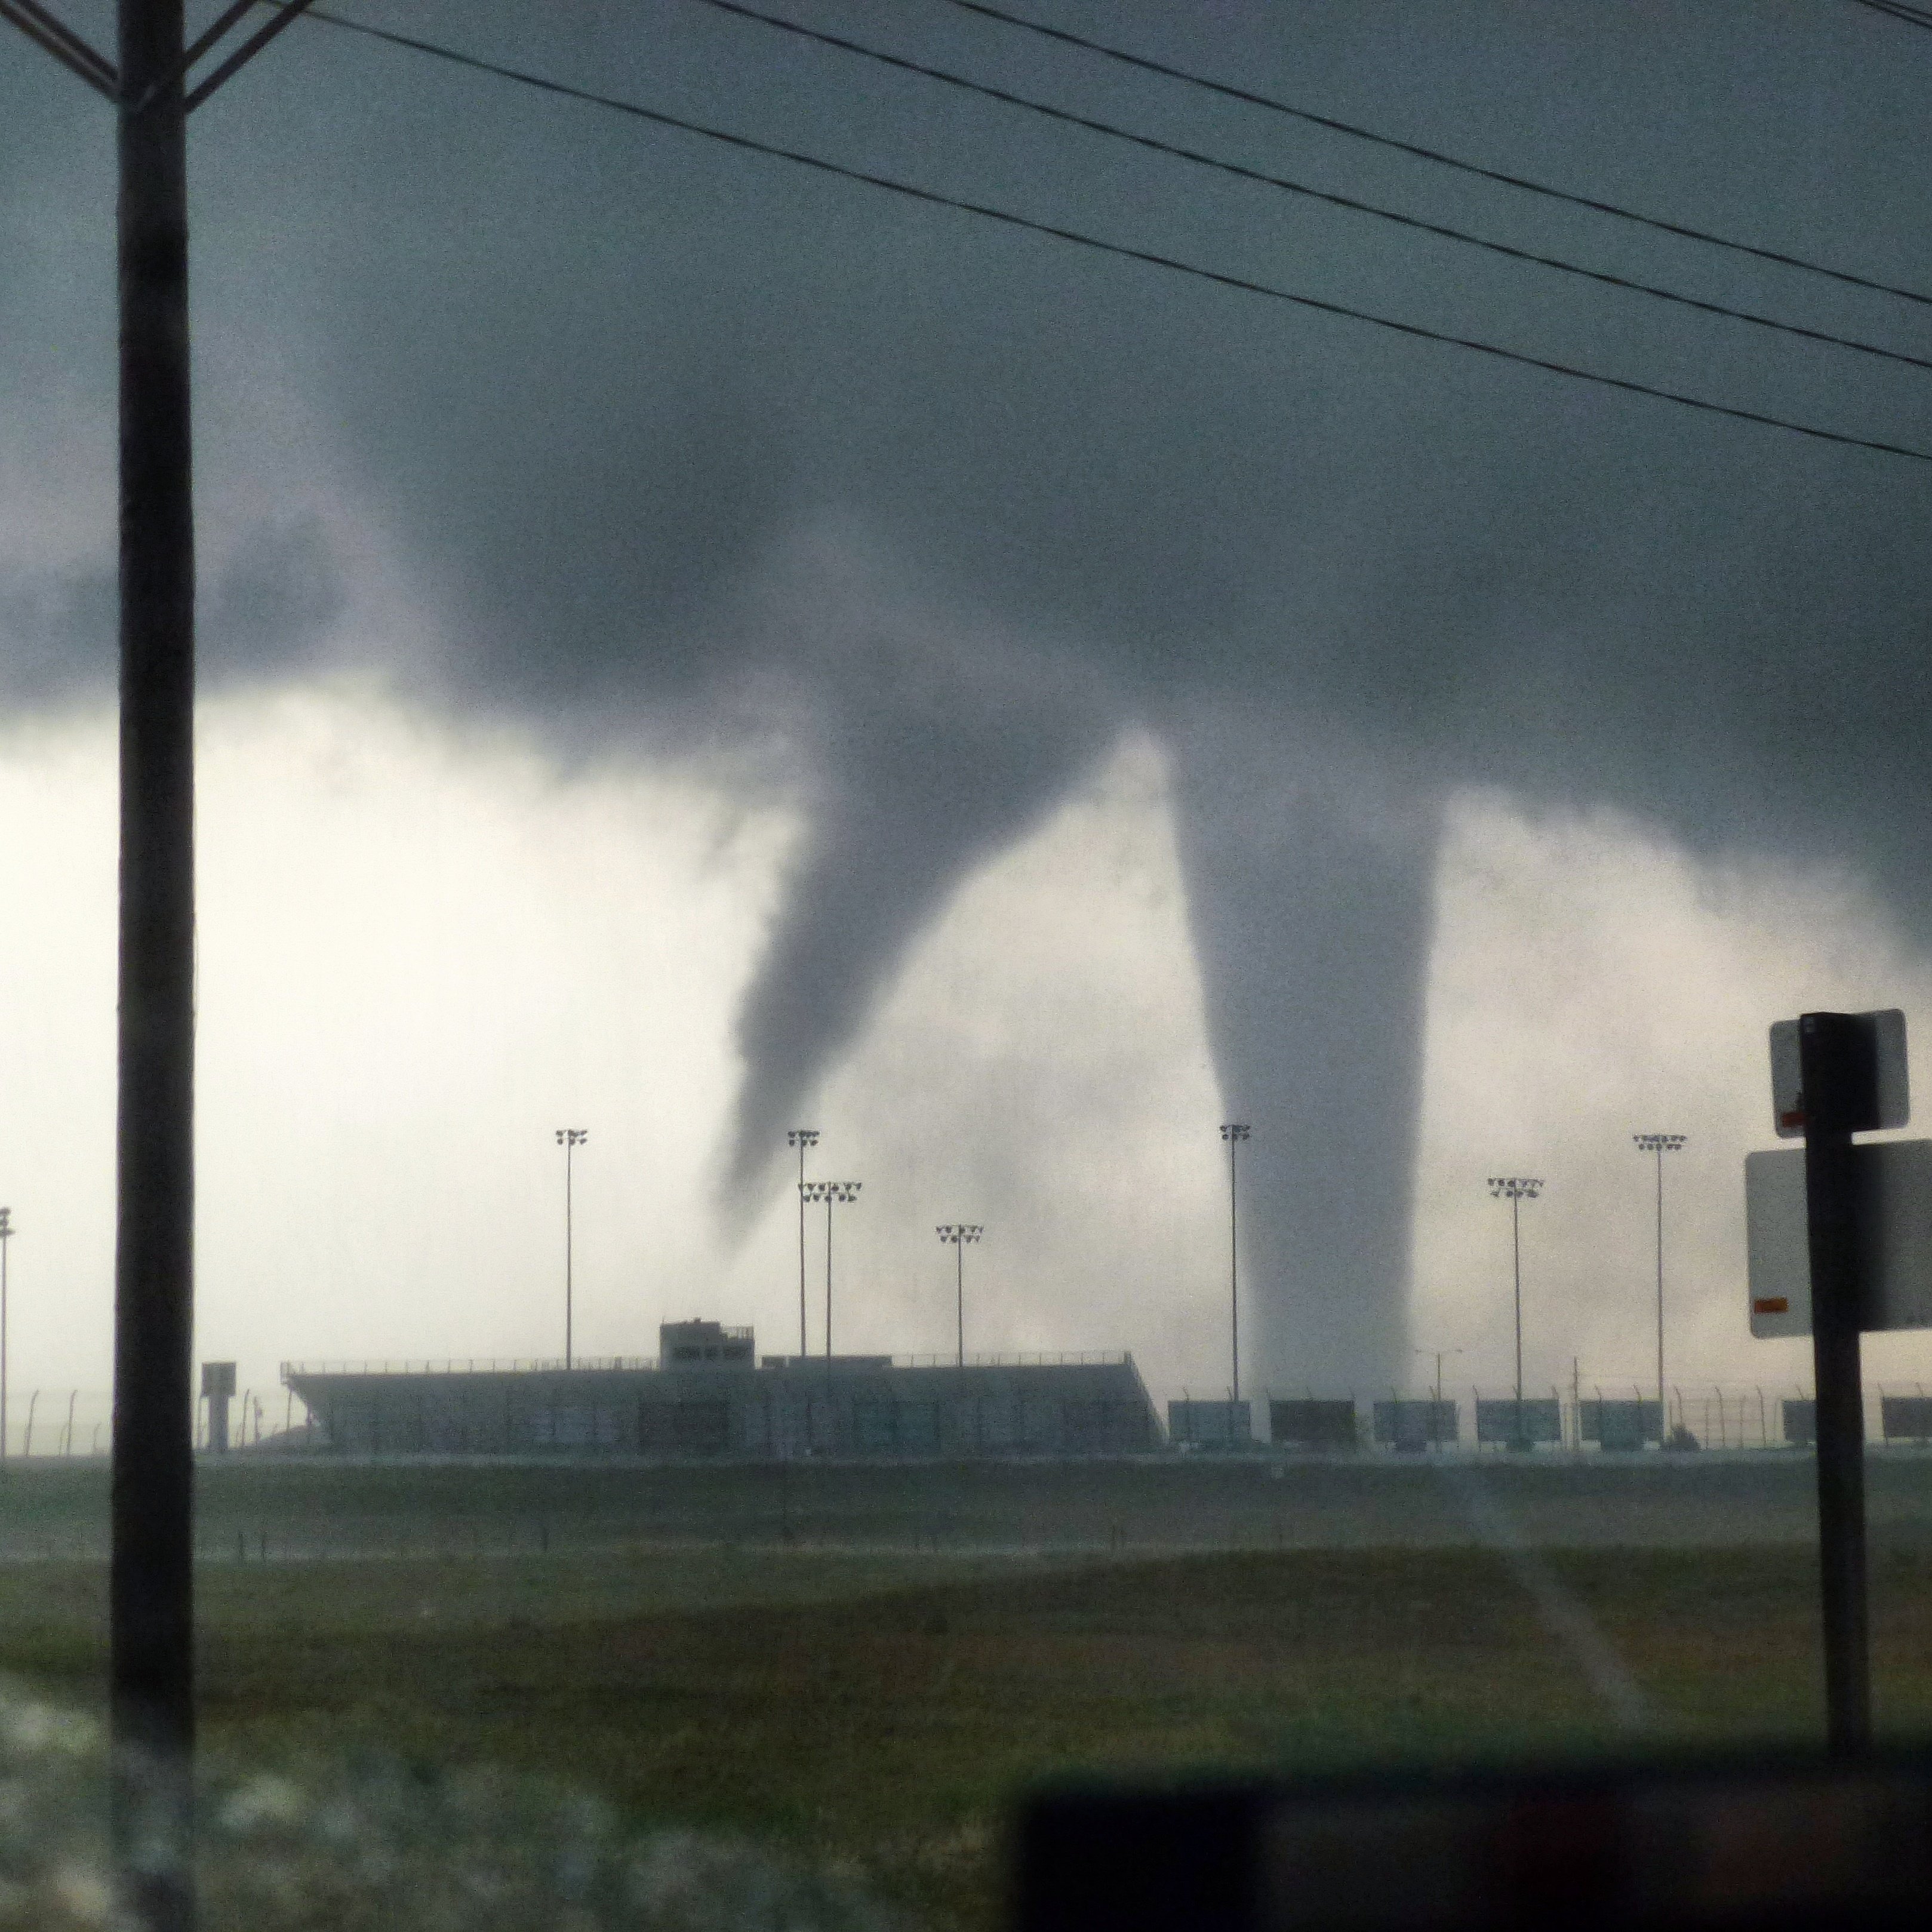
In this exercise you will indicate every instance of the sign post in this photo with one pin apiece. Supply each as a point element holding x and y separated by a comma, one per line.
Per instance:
<point>1835,1082</point>
<point>1833,1075</point>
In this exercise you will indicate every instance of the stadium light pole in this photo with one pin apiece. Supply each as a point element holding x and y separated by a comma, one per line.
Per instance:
<point>1516,1189</point>
<point>833,1193</point>
<point>1435,1414</point>
<point>960,1234</point>
<point>1234,1133</point>
<point>1440,1355</point>
<point>570,1139</point>
<point>6,1235</point>
<point>802,1139</point>
<point>1660,1145</point>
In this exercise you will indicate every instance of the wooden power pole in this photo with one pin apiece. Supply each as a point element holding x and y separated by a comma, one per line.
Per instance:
<point>151,1592</point>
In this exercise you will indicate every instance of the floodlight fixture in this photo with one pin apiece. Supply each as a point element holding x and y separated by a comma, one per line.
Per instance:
<point>570,1139</point>
<point>1514,1187</point>
<point>1660,1145</point>
<point>962,1235</point>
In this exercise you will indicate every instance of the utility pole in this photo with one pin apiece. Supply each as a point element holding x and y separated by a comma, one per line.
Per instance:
<point>1234,1133</point>
<point>151,1586</point>
<point>831,1192</point>
<point>570,1139</point>
<point>1660,1145</point>
<point>1516,1190</point>
<point>150,1583</point>
<point>960,1234</point>
<point>803,1139</point>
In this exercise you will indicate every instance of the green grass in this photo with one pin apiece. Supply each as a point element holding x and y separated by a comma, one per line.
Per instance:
<point>879,1713</point>
<point>872,1693</point>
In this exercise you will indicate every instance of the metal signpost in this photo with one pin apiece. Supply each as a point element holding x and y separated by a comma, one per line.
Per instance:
<point>1833,1075</point>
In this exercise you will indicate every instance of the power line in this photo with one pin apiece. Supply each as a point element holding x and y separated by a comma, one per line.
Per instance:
<point>1252,99</point>
<point>932,197</point>
<point>1353,203</point>
<point>1913,16</point>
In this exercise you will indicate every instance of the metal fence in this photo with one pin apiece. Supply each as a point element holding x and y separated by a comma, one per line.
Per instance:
<point>45,1424</point>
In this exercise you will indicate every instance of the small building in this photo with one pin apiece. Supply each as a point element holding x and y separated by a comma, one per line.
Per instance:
<point>707,1396</point>
<point>687,1345</point>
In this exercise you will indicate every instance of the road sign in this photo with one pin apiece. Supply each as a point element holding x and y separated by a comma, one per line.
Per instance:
<point>1895,1224</point>
<point>1882,1095</point>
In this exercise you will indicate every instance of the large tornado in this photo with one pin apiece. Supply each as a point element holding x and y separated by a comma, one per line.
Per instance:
<point>1311,882</point>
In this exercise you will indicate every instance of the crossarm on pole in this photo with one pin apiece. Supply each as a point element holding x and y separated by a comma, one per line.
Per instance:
<point>289,12</point>
<point>217,31</point>
<point>55,37</point>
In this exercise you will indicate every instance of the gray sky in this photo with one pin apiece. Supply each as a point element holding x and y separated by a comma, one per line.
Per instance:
<point>825,553</point>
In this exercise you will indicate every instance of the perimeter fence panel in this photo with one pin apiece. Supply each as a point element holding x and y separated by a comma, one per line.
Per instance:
<point>1711,1421</point>
<point>1506,1422</point>
<point>1906,1418</point>
<point>1411,1426</point>
<point>1210,1425</point>
<point>1314,1424</point>
<point>1626,1424</point>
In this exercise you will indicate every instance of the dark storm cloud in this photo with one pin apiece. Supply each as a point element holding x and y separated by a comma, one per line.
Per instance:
<point>607,386</point>
<point>266,609</point>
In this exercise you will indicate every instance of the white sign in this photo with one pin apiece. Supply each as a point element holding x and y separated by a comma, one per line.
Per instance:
<point>1896,1183</point>
<point>1894,1100</point>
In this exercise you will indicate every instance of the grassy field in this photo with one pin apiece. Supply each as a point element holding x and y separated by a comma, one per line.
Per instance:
<point>320,1507</point>
<point>877,1708</point>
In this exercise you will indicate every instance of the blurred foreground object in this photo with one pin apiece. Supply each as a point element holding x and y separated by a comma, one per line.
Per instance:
<point>1806,1844</point>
